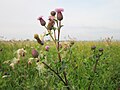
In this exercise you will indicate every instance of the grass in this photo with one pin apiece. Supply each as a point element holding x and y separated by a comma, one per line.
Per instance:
<point>77,61</point>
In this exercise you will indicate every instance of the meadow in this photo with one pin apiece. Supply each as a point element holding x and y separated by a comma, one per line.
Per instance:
<point>78,62</point>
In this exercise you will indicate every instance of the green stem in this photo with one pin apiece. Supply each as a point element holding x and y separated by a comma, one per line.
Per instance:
<point>59,56</point>
<point>94,70</point>
<point>54,72</point>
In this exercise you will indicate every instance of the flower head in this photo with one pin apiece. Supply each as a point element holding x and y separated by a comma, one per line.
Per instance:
<point>21,52</point>
<point>101,50</point>
<point>36,36</point>
<point>35,53</point>
<point>93,47</point>
<point>59,10</point>
<point>53,13</point>
<point>47,48</point>
<point>38,39</point>
<point>50,24</point>
<point>42,21</point>
<point>59,13</point>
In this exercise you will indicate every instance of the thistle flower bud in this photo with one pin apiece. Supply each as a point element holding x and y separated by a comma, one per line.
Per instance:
<point>101,50</point>
<point>36,36</point>
<point>53,13</point>
<point>38,39</point>
<point>42,22</point>
<point>59,13</point>
<point>35,53</point>
<point>50,25</point>
<point>47,48</point>
<point>93,47</point>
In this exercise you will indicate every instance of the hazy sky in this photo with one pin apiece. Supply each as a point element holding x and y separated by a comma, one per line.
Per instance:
<point>83,19</point>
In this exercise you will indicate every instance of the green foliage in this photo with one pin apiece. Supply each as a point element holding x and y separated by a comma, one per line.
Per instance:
<point>77,61</point>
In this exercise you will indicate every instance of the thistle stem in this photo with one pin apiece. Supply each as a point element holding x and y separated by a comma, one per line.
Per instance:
<point>54,72</point>
<point>59,56</point>
<point>94,70</point>
<point>55,36</point>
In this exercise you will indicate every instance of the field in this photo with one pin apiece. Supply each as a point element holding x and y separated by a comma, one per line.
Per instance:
<point>77,61</point>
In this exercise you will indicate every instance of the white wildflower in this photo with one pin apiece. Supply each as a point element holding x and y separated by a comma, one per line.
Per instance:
<point>21,52</point>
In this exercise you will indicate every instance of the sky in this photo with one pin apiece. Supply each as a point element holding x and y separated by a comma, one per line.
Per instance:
<point>83,19</point>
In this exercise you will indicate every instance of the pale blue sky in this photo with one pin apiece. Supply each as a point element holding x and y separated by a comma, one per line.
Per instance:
<point>83,19</point>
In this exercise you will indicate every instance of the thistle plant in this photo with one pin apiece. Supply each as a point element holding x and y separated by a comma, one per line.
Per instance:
<point>96,56</point>
<point>53,28</point>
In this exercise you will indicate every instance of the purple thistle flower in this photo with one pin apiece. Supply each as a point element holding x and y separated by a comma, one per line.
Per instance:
<point>59,10</point>
<point>47,48</point>
<point>35,53</point>
<point>59,13</point>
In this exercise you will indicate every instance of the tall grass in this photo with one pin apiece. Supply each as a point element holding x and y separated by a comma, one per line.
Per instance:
<point>79,67</point>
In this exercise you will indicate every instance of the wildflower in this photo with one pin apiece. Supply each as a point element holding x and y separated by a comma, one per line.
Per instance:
<point>53,13</point>
<point>59,14</point>
<point>101,50</point>
<point>35,53</point>
<point>21,52</point>
<point>50,23</point>
<point>47,48</point>
<point>36,36</point>
<point>93,47</point>
<point>42,22</point>
<point>38,39</point>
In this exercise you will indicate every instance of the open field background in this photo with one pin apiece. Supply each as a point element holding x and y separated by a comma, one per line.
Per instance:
<point>79,67</point>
